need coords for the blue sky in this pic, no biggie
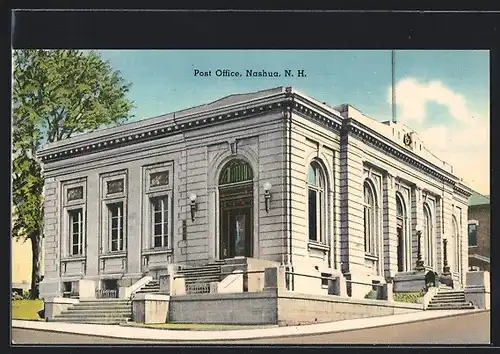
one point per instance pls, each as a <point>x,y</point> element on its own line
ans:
<point>443,95</point>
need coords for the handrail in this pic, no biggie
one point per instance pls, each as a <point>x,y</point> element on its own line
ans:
<point>242,272</point>
<point>333,278</point>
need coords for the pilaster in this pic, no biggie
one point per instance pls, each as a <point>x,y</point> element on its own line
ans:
<point>417,219</point>
<point>93,221</point>
<point>389,228</point>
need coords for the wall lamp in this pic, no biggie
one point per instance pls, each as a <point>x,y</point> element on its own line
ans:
<point>267,194</point>
<point>192,197</point>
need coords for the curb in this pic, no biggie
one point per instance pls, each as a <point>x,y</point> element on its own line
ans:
<point>199,329</point>
<point>208,340</point>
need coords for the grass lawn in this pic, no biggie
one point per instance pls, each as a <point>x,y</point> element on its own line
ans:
<point>193,326</point>
<point>26,309</point>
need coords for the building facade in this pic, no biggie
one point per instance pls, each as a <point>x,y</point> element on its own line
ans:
<point>479,232</point>
<point>273,175</point>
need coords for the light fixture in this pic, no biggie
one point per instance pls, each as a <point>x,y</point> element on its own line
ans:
<point>192,197</point>
<point>267,194</point>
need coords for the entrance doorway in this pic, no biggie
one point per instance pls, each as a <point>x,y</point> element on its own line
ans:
<point>236,210</point>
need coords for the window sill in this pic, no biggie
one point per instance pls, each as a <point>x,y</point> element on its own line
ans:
<point>371,257</point>
<point>114,255</point>
<point>318,246</point>
<point>157,250</point>
<point>74,258</point>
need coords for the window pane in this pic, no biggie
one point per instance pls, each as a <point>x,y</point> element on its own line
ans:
<point>114,245</point>
<point>157,217</point>
<point>157,229</point>
<point>311,178</point>
<point>75,249</point>
<point>114,223</point>
<point>157,241</point>
<point>165,239</point>
<point>312,215</point>
<point>472,235</point>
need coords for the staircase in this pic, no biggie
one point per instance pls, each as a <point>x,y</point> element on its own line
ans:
<point>152,287</point>
<point>102,311</point>
<point>448,299</point>
<point>198,279</point>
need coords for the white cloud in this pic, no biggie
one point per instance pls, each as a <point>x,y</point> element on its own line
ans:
<point>464,144</point>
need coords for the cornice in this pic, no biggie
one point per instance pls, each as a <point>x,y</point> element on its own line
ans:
<point>285,102</point>
<point>158,132</point>
<point>370,137</point>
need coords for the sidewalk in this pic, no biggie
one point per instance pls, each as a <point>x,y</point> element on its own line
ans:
<point>116,331</point>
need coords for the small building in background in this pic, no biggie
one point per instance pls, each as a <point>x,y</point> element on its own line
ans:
<point>479,232</point>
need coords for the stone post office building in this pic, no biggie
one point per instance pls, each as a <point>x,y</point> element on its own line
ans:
<point>272,175</point>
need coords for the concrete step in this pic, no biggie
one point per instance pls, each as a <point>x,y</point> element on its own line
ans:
<point>444,301</point>
<point>448,296</point>
<point>105,301</point>
<point>101,308</point>
<point>451,308</point>
<point>93,315</point>
<point>94,321</point>
<point>200,270</point>
<point>451,304</point>
<point>77,310</point>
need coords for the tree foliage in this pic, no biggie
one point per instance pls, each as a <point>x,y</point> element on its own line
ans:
<point>56,94</point>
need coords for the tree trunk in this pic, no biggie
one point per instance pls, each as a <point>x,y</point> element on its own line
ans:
<point>35,267</point>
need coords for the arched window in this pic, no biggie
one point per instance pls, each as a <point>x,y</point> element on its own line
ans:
<point>236,171</point>
<point>456,246</point>
<point>316,202</point>
<point>401,233</point>
<point>370,219</point>
<point>427,235</point>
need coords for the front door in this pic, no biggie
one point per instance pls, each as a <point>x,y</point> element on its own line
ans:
<point>235,224</point>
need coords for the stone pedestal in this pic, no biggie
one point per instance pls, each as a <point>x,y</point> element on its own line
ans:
<point>151,308</point>
<point>447,279</point>
<point>477,289</point>
<point>55,306</point>
<point>409,282</point>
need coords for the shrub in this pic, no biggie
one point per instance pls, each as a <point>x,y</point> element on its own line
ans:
<point>408,297</point>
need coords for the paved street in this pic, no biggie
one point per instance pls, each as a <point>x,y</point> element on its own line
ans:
<point>464,329</point>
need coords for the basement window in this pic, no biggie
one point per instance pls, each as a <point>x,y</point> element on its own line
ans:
<point>324,280</point>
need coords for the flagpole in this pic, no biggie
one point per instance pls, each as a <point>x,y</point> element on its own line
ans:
<point>393,71</point>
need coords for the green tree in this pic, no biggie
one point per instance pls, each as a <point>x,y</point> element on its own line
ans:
<point>56,94</point>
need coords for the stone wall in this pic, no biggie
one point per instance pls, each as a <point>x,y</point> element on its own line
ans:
<point>296,309</point>
<point>240,308</point>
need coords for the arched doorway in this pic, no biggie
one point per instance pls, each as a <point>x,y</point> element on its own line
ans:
<point>236,209</point>
<point>400,231</point>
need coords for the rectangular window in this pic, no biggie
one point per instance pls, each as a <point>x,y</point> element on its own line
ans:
<point>116,223</point>
<point>313,215</point>
<point>76,231</point>
<point>160,221</point>
<point>472,235</point>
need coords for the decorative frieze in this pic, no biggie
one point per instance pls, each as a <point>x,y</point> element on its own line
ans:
<point>75,193</point>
